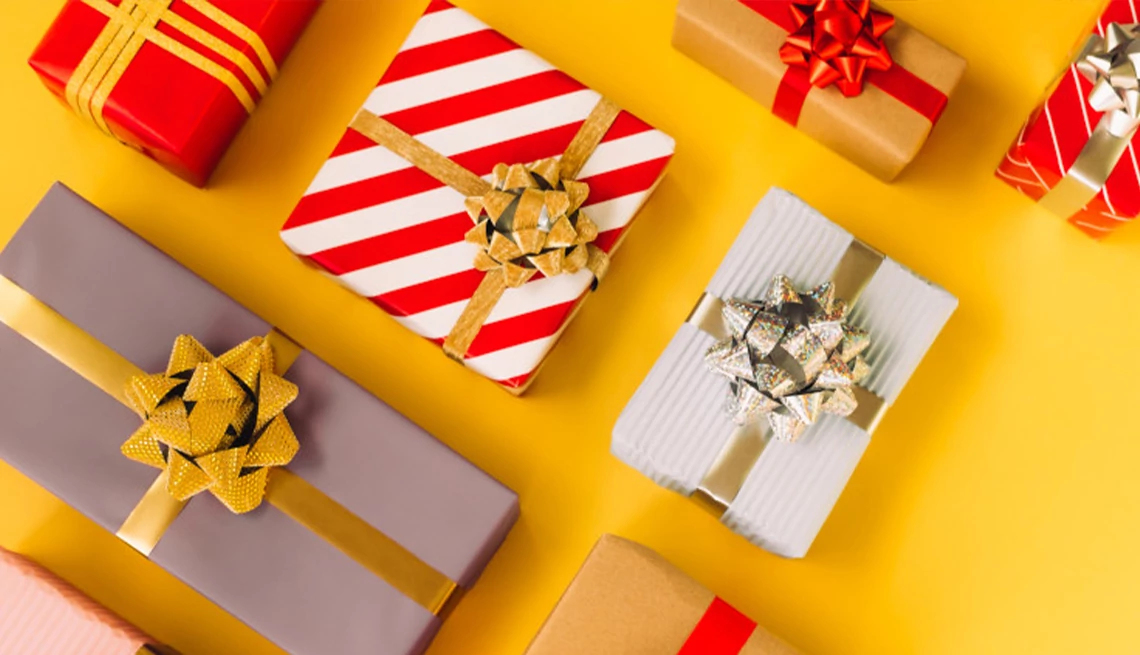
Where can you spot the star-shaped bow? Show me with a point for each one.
(1111, 63)
(530, 221)
(790, 358)
(214, 424)
(837, 41)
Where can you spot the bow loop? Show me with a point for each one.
(1112, 63)
(837, 41)
(214, 424)
(790, 357)
(531, 221)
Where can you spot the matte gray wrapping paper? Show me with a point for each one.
(676, 424)
(284, 581)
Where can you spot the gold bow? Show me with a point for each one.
(214, 424)
(1110, 63)
(531, 221)
(790, 357)
(132, 23)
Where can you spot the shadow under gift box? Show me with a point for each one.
(398, 235)
(676, 424)
(628, 600)
(880, 131)
(169, 109)
(284, 581)
(41, 614)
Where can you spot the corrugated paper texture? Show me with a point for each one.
(676, 424)
(40, 614)
(628, 600)
(873, 130)
(263, 567)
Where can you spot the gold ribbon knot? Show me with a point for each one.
(790, 357)
(214, 423)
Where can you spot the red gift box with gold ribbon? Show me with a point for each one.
(174, 79)
(846, 73)
(1075, 155)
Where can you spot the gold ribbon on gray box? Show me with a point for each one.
(790, 357)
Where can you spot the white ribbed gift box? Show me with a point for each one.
(675, 425)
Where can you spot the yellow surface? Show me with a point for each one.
(995, 511)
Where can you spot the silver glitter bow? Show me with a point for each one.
(790, 358)
(1112, 63)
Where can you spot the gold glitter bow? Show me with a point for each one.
(214, 424)
(790, 357)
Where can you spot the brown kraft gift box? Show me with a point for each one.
(629, 600)
(874, 130)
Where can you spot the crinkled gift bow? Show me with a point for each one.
(837, 41)
(214, 424)
(790, 357)
(531, 221)
(1111, 63)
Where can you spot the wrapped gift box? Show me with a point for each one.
(676, 425)
(881, 129)
(172, 79)
(1057, 143)
(40, 613)
(264, 567)
(628, 599)
(395, 233)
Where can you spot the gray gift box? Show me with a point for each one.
(676, 425)
(284, 581)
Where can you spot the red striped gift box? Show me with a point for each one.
(41, 614)
(1057, 132)
(395, 235)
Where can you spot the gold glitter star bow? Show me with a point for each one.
(790, 357)
(214, 424)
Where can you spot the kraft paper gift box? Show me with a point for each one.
(1075, 154)
(494, 275)
(627, 599)
(41, 614)
(847, 74)
(174, 79)
(362, 539)
(774, 475)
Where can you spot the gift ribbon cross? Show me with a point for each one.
(289, 493)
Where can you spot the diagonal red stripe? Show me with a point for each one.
(518, 330)
(438, 5)
(445, 54)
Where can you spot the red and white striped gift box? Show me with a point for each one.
(1057, 132)
(41, 614)
(395, 235)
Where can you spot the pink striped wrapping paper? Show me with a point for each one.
(40, 614)
(394, 234)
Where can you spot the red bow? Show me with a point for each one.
(837, 41)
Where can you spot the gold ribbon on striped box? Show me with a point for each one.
(132, 23)
(528, 218)
(791, 358)
(205, 420)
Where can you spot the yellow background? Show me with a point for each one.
(996, 510)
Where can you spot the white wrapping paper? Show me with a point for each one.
(675, 425)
